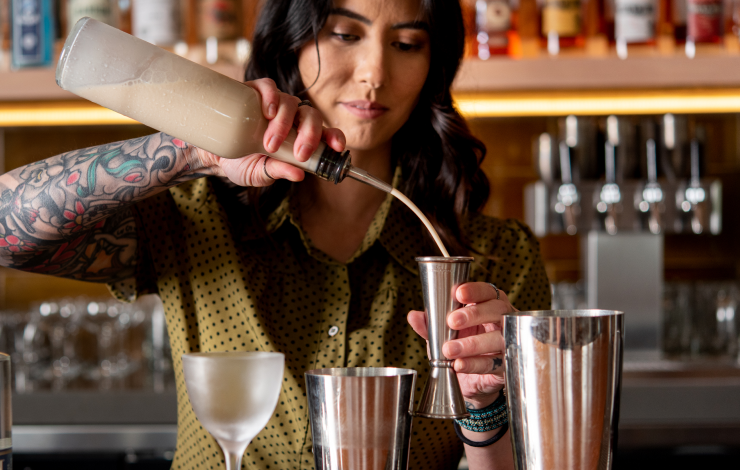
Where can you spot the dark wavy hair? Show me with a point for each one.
(439, 157)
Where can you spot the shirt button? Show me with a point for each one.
(333, 331)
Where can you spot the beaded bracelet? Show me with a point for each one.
(489, 418)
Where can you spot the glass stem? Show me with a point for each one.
(233, 455)
(233, 460)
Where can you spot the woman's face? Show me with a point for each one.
(374, 62)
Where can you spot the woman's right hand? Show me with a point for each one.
(283, 113)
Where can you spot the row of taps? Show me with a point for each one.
(645, 181)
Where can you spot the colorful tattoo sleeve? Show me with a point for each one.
(71, 216)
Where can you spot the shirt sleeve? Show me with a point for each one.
(509, 257)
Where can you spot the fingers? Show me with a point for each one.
(310, 131)
(478, 314)
(253, 170)
(481, 365)
(475, 292)
(491, 342)
(418, 321)
(335, 139)
(270, 96)
(282, 123)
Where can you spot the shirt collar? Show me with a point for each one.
(394, 226)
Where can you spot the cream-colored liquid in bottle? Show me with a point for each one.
(214, 113)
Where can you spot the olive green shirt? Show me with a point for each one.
(230, 288)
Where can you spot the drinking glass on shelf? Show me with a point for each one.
(233, 395)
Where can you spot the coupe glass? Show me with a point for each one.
(233, 395)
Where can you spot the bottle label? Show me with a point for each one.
(635, 20)
(219, 19)
(494, 17)
(562, 17)
(32, 41)
(6, 459)
(157, 21)
(101, 10)
(704, 20)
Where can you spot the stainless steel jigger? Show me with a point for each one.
(440, 278)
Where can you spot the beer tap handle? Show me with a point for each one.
(566, 171)
(652, 162)
(695, 162)
(611, 170)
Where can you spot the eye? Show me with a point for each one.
(346, 37)
(406, 47)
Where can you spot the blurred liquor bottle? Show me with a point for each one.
(32, 33)
(468, 8)
(732, 26)
(704, 21)
(219, 19)
(157, 21)
(493, 25)
(562, 24)
(634, 23)
(594, 28)
(101, 10)
(525, 37)
(4, 27)
(124, 16)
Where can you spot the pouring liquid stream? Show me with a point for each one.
(402, 197)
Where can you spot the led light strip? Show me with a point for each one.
(585, 103)
(471, 105)
(61, 113)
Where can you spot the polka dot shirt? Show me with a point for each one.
(228, 287)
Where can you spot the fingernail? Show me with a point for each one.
(459, 319)
(453, 348)
(271, 111)
(305, 151)
(273, 144)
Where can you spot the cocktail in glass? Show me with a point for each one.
(233, 395)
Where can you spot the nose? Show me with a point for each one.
(372, 69)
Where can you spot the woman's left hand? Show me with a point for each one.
(478, 350)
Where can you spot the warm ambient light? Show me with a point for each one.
(598, 102)
(58, 113)
(472, 105)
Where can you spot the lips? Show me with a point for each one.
(365, 109)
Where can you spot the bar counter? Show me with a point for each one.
(663, 404)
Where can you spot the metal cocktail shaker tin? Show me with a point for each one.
(361, 417)
(563, 381)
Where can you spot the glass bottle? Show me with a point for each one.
(219, 19)
(157, 21)
(634, 23)
(105, 11)
(525, 39)
(469, 18)
(594, 28)
(561, 24)
(4, 28)
(704, 20)
(182, 98)
(31, 32)
(493, 24)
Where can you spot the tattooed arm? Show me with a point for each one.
(70, 215)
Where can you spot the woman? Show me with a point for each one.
(323, 273)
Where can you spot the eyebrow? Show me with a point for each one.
(356, 16)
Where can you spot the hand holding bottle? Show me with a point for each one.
(283, 113)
